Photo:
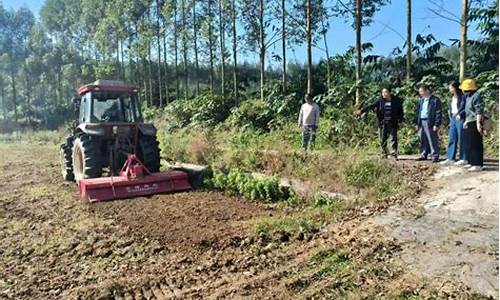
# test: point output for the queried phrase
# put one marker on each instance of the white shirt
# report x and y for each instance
(309, 114)
(454, 105)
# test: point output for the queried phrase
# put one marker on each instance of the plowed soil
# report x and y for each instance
(197, 245)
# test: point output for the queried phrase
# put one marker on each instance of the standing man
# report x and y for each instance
(309, 121)
(389, 110)
(428, 120)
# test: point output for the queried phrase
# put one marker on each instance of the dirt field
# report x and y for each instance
(193, 245)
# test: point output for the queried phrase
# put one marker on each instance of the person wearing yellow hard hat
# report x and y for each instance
(473, 125)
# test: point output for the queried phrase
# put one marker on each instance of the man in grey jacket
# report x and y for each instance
(309, 121)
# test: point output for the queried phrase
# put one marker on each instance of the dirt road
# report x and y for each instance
(197, 245)
(451, 233)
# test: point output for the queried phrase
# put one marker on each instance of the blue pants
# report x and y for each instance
(429, 142)
(309, 136)
(455, 139)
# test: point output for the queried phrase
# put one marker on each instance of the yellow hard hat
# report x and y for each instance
(468, 85)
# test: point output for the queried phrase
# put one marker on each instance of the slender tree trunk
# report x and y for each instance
(358, 17)
(283, 42)
(184, 50)
(118, 59)
(463, 39)
(14, 96)
(262, 50)
(328, 68)
(131, 75)
(167, 93)
(158, 40)
(409, 46)
(122, 65)
(211, 47)
(196, 59)
(145, 79)
(235, 57)
(222, 49)
(309, 47)
(28, 99)
(176, 54)
(150, 76)
(2, 93)
(131, 62)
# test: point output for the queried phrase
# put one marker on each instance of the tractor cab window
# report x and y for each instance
(114, 108)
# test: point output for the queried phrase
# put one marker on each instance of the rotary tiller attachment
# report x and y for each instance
(134, 180)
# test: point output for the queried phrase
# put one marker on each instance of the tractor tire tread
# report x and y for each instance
(149, 152)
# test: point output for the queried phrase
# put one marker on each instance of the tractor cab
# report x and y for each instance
(107, 101)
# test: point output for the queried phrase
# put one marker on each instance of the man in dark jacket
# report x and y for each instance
(389, 111)
(428, 120)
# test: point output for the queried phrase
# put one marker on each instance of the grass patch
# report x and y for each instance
(330, 263)
(41, 137)
(380, 178)
(269, 226)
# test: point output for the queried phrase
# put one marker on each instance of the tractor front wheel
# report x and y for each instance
(149, 152)
(86, 163)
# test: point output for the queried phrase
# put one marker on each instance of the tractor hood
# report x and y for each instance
(109, 129)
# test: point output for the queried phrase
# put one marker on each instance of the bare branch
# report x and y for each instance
(441, 7)
(437, 13)
(391, 29)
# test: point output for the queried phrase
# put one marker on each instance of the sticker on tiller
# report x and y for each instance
(142, 188)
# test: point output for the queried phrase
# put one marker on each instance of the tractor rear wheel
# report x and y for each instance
(66, 160)
(86, 163)
(149, 152)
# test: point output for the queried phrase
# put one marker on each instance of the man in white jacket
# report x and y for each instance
(309, 121)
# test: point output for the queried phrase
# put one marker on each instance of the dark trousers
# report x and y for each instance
(473, 142)
(388, 131)
(429, 143)
(455, 139)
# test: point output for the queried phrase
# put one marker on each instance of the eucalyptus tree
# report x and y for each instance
(361, 13)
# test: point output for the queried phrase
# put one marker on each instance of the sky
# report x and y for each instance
(386, 33)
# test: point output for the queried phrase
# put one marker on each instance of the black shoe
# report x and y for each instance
(421, 158)
(435, 160)
(394, 157)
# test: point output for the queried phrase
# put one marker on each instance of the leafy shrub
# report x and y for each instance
(409, 141)
(239, 183)
(174, 146)
(252, 114)
(149, 113)
(339, 127)
(205, 110)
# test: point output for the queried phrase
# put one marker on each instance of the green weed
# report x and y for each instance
(292, 225)
(330, 263)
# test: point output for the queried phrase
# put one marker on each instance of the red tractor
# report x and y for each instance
(111, 136)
